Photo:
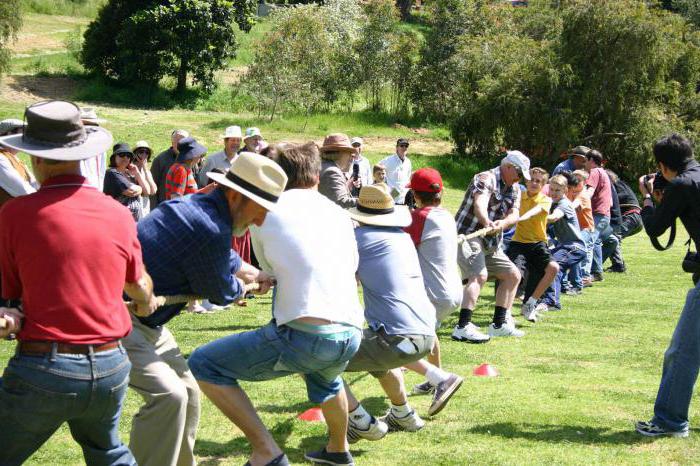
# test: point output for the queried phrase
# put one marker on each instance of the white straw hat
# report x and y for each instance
(375, 206)
(232, 132)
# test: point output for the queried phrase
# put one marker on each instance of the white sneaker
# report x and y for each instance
(209, 306)
(470, 333)
(510, 319)
(410, 422)
(376, 431)
(529, 311)
(196, 308)
(542, 307)
(506, 330)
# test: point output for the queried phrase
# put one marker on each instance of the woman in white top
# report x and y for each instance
(142, 153)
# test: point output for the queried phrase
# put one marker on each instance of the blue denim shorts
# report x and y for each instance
(271, 352)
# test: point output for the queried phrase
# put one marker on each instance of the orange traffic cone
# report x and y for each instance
(312, 415)
(485, 370)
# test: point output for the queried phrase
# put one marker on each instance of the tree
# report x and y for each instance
(10, 22)
(143, 41)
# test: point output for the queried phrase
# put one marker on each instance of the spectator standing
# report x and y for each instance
(15, 178)
(398, 171)
(180, 178)
(162, 163)
(142, 156)
(337, 154)
(69, 365)
(253, 140)
(123, 180)
(364, 170)
(94, 169)
(222, 160)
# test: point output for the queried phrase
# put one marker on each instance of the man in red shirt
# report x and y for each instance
(180, 179)
(68, 251)
(599, 190)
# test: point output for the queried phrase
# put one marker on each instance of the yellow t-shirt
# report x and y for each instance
(534, 229)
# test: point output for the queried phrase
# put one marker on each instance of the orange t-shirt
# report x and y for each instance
(584, 212)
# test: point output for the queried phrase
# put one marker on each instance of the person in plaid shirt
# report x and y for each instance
(492, 200)
(180, 180)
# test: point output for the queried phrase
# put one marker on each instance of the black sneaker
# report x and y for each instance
(649, 429)
(324, 457)
(616, 269)
(597, 277)
(281, 460)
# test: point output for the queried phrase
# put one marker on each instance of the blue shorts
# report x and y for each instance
(271, 352)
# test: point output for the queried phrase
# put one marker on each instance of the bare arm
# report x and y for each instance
(142, 293)
(250, 274)
(531, 213)
(481, 204)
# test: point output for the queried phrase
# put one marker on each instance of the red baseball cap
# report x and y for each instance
(427, 180)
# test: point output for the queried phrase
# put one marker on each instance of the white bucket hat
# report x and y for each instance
(232, 132)
(256, 177)
(252, 132)
(55, 131)
(375, 206)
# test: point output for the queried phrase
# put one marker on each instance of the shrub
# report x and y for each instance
(10, 22)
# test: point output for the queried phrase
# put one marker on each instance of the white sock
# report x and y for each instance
(401, 410)
(435, 375)
(360, 417)
(531, 301)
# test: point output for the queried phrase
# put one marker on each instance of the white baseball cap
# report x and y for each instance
(519, 160)
(356, 140)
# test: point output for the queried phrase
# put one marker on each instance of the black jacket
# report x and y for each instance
(681, 200)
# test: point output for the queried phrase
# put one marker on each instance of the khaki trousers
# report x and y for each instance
(164, 430)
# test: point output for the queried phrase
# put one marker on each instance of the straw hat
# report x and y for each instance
(55, 131)
(256, 177)
(142, 145)
(337, 142)
(375, 206)
(232, 132)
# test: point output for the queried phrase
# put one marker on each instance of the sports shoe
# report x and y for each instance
(425, 388)
(209, 306)
(616, 269)
(529, 311)
(510, 319)
(597, 277)
(470, 333)
(281, 460)
(376, 431)
(506, 330)
(195, 308)
(649, 429)
(443, 393)
(541, 308)
(410, 422)
(326, 457)
(573, 292)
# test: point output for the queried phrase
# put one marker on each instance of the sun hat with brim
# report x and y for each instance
(580, 151)
(122, 148)
(55, 131)
(188, 149)
(252, 132)
(232, 132)
(337, 142)
(375, 206)
(142, 145)
(10, 124)
(256, 177)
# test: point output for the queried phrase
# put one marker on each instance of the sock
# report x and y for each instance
(465, 316)
(360, 417)
(531, 301)
(435, 375)
(401, 410)
(499, 316)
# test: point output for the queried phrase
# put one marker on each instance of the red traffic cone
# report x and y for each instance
(485, 370)
(312, 415)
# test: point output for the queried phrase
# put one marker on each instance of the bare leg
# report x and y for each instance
(434, 356)
(235, 404)
(393, 386)
(507, 287)
(335, 411)
(353, 403)
(421, 366)
(472, 290)
(550, 272)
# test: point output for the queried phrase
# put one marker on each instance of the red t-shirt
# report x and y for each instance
(179, 180)
(67, 251)
(601, 200)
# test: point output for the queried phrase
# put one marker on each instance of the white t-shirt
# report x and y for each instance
(398, 174)
(437, 254)
(308, 244)
(93, 169)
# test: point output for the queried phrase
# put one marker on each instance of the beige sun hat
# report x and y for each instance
(375, 206)
(232, 132)
(256, 177)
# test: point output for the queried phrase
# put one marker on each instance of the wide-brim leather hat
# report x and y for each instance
(337, 142)
(580, 151)
(375, 206)
(55, 131)
(256, 177)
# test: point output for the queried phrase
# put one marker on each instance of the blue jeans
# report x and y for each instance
(39, 393)
(271, 352)
(681, 364)
(602, 232)
(567, 256)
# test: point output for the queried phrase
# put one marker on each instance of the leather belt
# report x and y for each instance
(46, 347)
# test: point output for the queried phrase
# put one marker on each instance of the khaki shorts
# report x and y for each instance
(379, 352)
(473, 258)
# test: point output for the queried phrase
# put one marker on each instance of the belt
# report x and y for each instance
(44, 347)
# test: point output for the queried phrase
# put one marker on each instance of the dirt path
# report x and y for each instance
(25, 89)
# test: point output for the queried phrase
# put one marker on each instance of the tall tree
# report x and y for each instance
(10, 22)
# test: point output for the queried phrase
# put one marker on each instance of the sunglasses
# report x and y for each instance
(124, 156)
(403, 145)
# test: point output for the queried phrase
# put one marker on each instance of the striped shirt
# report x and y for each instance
(180, 181)
(502, 199)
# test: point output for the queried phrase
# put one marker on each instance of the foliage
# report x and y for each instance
(10, 22)
(141, 42)
(688, 8)
(615, 75)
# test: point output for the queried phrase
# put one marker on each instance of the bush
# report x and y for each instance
(10, 22)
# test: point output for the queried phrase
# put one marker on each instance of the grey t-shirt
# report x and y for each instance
(392, 282)
(437, 254)
(566, 229)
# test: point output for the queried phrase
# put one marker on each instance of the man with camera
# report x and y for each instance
(681, 199)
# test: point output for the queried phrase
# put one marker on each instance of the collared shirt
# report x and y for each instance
(681, 200)
(533, 230)
(565, 166)
(67, 251)
(216, 160)
(392, 282)
(187, 250)
(180, 181)
(398, 174)
(502, 199)
(159, 169)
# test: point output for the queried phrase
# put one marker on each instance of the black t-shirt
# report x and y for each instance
(628, 200)
(115, 184)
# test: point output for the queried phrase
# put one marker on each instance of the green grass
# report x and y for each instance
(567, 392)
(86, 8)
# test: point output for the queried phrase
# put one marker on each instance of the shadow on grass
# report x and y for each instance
(226, 328)
(555, 433)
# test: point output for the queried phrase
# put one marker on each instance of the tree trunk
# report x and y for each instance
(182, 76)
(404, 7)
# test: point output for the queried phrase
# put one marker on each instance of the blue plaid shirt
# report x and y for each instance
(186, 247)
